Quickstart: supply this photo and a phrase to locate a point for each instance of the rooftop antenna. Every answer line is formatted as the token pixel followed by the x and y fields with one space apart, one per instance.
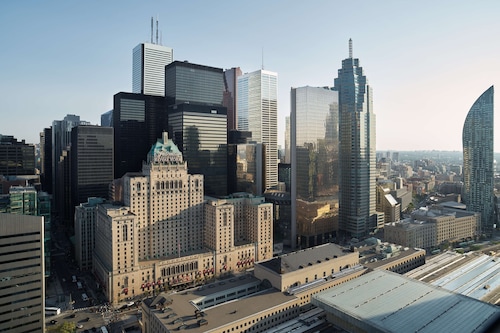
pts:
pixel 157 29
pixel 262 58
pixel 151 29
pixel 350 48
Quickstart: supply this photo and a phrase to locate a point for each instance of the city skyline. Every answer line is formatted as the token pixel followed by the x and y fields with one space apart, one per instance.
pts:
pixel 426 66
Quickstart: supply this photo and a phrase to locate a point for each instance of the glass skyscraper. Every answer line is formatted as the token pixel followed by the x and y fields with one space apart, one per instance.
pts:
pixel 478 175
pixel 357 215
pixel 258 113
pixel 314 164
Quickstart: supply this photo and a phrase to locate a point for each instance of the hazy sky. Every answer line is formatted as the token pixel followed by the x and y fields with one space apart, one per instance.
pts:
pixel 427 61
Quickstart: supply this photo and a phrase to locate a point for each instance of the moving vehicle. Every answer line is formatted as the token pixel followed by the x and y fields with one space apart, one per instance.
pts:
pixel 85 297
pixel 79 285
pixel 52 311
pixel 73 278
pixel 104 329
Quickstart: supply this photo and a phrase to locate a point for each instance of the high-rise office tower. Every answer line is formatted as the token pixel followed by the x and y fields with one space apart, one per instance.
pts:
pixel 16 157
pixel 107 119
pixel 246 168
pixel 138 120
pixel 478 175
pixel 314 164
pixel 198 122
pixel 91 163
pixel 287 140
pixel 148 72
pixel 22 291
pixel 258 113
pixel 46 159
pixel 230 96
pixel 192 83
pixel 357 150
pixel 61 141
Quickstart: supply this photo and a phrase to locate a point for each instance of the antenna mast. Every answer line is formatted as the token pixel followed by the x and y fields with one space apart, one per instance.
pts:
pixel 350 48
pixel 151 29
pixel 262 58
pixel 156 29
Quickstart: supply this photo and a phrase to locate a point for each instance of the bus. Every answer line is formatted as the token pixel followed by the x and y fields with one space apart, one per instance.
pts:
pixel 52 311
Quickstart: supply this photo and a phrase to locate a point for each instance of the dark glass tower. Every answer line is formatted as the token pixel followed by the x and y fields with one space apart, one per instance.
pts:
pixel 91 157
pixel 477 141
pixel 16 157
pixel 138 120
pixel 356 150
pixel 197 121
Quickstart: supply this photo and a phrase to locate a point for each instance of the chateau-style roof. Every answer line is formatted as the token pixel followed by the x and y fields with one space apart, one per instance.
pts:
pixel 164 151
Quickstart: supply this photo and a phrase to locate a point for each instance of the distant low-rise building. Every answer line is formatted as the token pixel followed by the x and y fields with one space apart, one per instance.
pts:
pixel 428 228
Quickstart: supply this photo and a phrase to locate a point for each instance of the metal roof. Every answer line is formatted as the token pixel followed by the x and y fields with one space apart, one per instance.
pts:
pixel 389 302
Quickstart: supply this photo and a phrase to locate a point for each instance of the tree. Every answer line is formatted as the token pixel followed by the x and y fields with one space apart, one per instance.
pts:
pixel 66 327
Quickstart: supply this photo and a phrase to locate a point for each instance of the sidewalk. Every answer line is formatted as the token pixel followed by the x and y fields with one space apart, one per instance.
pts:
pixel 54 293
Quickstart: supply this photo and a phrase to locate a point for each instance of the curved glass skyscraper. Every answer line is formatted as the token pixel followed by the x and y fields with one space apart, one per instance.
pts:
pixel 357 215
pixel 477 141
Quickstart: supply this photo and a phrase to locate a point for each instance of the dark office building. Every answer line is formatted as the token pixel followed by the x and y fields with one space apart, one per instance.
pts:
pixel 285 175
pixel 192 83
pixel 46 159
pixel 198 121
pixel 246 168
pixel 138 120
pixel 238 137
pixel 199 131
pixel 91 162
pixel 16 157
pixel 230 96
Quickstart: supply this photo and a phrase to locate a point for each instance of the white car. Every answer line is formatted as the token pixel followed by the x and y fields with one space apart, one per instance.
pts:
pixel 79 326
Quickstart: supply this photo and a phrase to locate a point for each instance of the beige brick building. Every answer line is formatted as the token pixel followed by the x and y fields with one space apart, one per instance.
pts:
pixel 165 234
pixel 431 227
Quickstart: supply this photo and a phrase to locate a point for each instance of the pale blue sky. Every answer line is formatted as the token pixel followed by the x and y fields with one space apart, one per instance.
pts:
pixel 427 61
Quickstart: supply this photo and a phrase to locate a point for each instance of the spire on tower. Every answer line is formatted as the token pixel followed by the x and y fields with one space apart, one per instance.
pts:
pixel 151 29
pixel 350 48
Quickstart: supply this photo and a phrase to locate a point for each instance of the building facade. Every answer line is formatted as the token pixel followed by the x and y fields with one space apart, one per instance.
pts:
pixel 200 133
pixel 192 83
pixel 138 120
pixel 16 157
pixel 246 168
pixel 22 281
pixel 427 229
pixel 91 163
pixel 230 96
pixel 160 238
pixel 357 208
pixel 85 225
pixel 198 120
pixel 314 159
pixel 257 107
pixel 148 71
pixel 478 172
